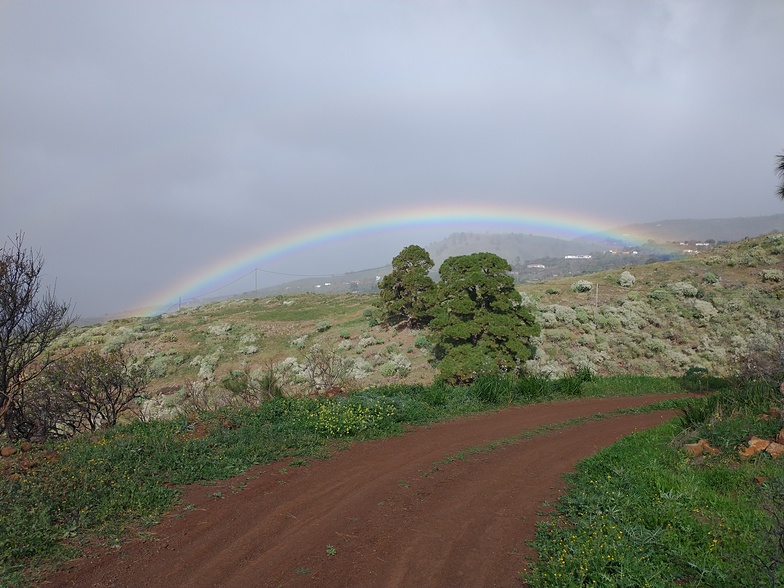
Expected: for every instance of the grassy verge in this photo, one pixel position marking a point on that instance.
(101, 487)
(645, 513)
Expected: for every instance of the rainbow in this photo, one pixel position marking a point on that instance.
(452, 217)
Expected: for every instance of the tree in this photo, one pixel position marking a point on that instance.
(29, 322)
(780, 172)
(83, 392)
(481, 325)
(407, 292)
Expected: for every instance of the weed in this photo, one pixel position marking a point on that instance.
(331, 550)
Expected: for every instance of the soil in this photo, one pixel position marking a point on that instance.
(396, 512)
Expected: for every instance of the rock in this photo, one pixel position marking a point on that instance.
(780, 437)
(756, 445)
(7, 451)
(775, 413)
(700, 447)
(775, 449)
(26, 446)
(759, 480)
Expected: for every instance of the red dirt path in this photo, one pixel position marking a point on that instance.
(394, 515)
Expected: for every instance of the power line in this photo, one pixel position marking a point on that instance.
(258, 269)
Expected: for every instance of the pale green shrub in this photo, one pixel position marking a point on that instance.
(704, 311)
(582, 286)
(168, 338)
(683, 289)
(564, 314)
(771, 275)
(548, 320)
(299, 342)
(322, 326)
(627, 279)
(219, 329)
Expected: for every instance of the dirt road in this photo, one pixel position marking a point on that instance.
(395, 512)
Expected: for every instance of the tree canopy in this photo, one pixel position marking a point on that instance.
(407, 292)
(481, 325)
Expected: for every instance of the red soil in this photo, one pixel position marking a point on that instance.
(393, 512)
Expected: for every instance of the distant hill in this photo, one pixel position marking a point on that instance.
(524, 250)
(717, 229)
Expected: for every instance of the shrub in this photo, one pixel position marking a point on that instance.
(626, 280)
(582, 286)
(771, 275)
(421, 342)
(323, 326)
(683, 289)
(711, 278)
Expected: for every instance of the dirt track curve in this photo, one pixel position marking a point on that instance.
(390, 517)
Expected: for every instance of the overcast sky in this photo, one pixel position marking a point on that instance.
(141, 141)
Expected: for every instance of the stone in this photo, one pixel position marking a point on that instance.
(756, 445)
(780, 437)
(26, 446)
(775, 413)
(700, 447)
(775, 449)
(7, 451)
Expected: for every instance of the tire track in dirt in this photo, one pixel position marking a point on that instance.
(391, 519)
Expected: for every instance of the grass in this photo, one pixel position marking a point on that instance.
(644, 513)
(120, 481)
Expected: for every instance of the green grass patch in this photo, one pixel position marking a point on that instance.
(645, 513)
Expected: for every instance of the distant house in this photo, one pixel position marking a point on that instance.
(536, 266)
(577, 256)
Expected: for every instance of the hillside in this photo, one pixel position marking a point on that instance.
(527, 254)
(710, 310)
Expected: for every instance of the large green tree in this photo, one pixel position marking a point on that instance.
(481, 325)
(407, 292)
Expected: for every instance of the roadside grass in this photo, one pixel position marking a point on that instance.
(645, 513)
(105, 487)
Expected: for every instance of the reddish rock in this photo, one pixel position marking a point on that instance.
(759, 480)
(775, 449)
(700, 447)
(780, 437)
(7, 451)
(775, 413)
(756, 445)
(26, 446)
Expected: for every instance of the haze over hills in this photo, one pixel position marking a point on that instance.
(718, 229)
(522, 250)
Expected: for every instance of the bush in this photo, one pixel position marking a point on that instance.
(772, 275)
(626, 280)
(582, 286)
(683, 289)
